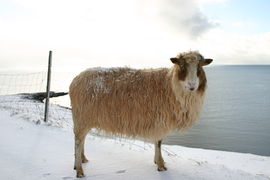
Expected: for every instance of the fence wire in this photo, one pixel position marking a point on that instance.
(14, 83)
(15, 90)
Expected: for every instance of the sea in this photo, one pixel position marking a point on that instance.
(236, 112)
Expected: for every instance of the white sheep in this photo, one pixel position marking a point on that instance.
(145, 104)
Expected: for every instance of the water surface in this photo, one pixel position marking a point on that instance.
(236, 113)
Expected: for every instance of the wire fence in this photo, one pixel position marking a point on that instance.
(16, 95)
(13, 83)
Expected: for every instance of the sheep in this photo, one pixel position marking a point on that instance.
(138, 103)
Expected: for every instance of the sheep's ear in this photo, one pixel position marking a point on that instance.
(206, 62)
(174, 60)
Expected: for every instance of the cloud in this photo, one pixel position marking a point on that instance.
(136, 33)
(64, 16)
(180, 16)
(234, 48)
(126, 32)
(198, 24)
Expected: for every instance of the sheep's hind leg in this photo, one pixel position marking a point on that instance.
(83, 157)
(79, 142)
(158, 157)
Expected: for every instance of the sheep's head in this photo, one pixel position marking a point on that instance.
(190, 70)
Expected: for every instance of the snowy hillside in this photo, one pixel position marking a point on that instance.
(45, 151)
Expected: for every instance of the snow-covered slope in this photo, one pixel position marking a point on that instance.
(30, 151)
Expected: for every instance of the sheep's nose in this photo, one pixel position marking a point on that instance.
(191, 86)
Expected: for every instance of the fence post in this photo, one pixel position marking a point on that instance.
(48, 88)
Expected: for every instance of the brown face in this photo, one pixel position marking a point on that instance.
(191, 74)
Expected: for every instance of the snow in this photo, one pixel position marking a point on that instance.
(45, 151)
(99, 82)
(34, 111)
(104, 69)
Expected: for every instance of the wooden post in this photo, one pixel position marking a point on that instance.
(48, 88)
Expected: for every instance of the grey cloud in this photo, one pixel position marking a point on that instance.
(197, 24)
(185, 17)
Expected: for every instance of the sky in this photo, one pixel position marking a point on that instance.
(135, 33)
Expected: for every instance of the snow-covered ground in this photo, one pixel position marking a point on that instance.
(45, 151)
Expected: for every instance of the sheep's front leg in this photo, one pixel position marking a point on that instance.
(158, 157)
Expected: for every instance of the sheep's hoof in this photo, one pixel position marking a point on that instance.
(163, 168)
(80, 175)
